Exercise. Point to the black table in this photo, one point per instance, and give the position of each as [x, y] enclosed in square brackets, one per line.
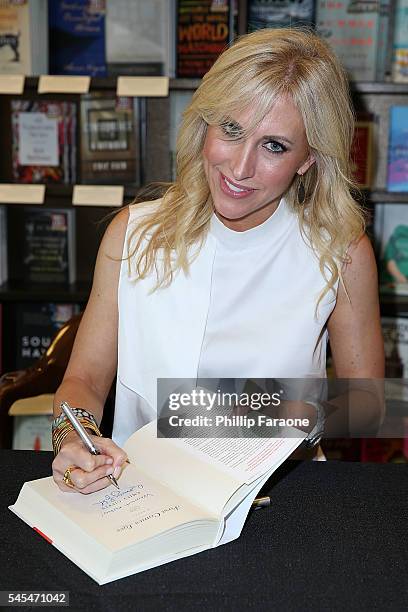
[334, 538]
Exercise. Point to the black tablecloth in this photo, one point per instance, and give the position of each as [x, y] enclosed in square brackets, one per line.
[334, 538]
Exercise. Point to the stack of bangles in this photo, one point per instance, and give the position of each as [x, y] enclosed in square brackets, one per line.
[61, 427]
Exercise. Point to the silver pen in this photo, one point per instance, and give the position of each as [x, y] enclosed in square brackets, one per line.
[84, 436]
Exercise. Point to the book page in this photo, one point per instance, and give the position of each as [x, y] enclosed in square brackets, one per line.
[116, 519]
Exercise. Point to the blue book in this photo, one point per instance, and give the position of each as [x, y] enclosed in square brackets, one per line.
[77, 37]
[398, 149]
[279, 13]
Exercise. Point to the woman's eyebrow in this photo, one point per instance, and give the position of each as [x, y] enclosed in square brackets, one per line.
[276, 137]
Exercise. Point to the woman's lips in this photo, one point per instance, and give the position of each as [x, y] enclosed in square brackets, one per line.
[230, 191]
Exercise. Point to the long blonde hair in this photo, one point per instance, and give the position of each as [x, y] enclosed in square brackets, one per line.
[260, 67]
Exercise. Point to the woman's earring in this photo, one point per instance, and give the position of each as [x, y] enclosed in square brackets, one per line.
[301, 194]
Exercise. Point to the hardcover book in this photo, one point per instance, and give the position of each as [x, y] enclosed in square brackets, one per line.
[204, 29]
[43, 141]
[355, 29]
[397, 179]
[279, 13]
[362, 150]
[391, 238]
[140, 37]
[43, 245]
[23, 37]
[36, 325]
[109, 139]
[400, 42]
[77, 37]
[176, 498]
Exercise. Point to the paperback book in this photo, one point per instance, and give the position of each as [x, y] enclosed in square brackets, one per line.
[204, 29]
[176, 498]
[400, 42]
[43, 245]
[391, 238]
[362, 150]
[23, 37]
[77, 37]
[397, 179]
[110, 139]
[279, 13]
[43, 141]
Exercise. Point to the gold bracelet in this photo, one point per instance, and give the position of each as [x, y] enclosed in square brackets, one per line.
[64, 428]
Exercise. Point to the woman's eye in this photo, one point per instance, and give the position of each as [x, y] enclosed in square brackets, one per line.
[275, 147]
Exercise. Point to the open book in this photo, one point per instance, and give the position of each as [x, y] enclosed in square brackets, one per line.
[177, 497]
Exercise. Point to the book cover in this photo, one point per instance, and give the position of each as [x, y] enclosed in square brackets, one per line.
[77, 37]
[204, 29]
[391, 242]
[362, 150]
[110, 139]
[397, 178]
[43, 245]
[400, 42]
[352, 28]
[43, 141]
[139, 37]
[179, 100]
[23, 37]
[36, 325]
[279, 13]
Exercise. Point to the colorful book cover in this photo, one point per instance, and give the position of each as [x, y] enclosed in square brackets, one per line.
[397, 179]
[204, 29]
[43, 248]
[391, 240]
[43, 141]
[77, 37]
[279, 13]
[400, 42]
[23, 37]
[352, 28]
[109, 139]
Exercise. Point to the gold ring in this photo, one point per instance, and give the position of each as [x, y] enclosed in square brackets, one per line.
[67, 476]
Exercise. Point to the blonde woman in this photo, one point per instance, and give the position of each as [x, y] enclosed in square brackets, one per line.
[253, 258]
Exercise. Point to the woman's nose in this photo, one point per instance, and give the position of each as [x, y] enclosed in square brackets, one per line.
[243, 161]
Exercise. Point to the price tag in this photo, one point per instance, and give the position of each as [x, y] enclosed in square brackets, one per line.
[11, 193]
[98, 195]
[12, 83]
[64, 84]
[143, 86]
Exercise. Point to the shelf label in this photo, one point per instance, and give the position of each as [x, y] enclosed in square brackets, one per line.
[12, 83]
[98, 195]
[143, 86]
[11, 193]
[64, 84]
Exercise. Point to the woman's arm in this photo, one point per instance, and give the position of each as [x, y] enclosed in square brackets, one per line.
[356, 340]
[92, 366]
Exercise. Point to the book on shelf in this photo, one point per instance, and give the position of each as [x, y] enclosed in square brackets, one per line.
[356, 30]
[140, 37]
[42, 248]
[397, 177]
[43, 141]
[279, 13]
[179, 100]
[391, 242]
[395, 334]
[77, 37]
[36, 323]
[23, 37]
[204, 30]
[362, 152]
[3, 245]
[400, 42]
[110, 139]
[176, 498]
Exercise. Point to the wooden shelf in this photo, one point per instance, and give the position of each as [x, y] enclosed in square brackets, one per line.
[19, 291]
[386, 197]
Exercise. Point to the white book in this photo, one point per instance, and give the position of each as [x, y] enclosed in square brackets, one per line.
[177, 497]
[24, 37]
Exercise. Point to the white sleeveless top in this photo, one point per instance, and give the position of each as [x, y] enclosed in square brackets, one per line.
[246, 309]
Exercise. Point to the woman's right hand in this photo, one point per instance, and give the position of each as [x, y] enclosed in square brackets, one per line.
[88, 472]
